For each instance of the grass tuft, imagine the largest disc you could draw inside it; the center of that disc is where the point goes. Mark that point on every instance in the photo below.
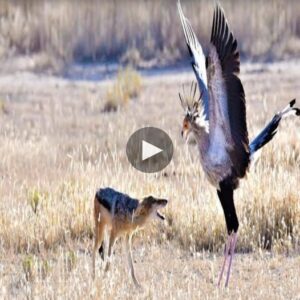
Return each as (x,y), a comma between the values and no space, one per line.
(28,267)
(70,260)
(127,86)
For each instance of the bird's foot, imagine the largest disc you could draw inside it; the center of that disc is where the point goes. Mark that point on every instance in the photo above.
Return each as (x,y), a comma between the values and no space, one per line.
(229,251)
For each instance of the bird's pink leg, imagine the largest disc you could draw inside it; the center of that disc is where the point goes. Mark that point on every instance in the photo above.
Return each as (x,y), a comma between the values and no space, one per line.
(232,247)
(227,247)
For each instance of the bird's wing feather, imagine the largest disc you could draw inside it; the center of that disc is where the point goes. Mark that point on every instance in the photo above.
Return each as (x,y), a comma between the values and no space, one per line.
(227,112)
(198,59)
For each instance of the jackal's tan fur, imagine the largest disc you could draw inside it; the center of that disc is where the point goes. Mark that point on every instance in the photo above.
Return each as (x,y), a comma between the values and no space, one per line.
(123,222)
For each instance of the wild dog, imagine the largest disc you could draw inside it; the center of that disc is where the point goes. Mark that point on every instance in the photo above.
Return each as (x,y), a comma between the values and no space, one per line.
(123,215)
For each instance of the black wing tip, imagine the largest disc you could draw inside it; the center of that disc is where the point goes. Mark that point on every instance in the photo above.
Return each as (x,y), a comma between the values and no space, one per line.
(292,103)
(219,11)
(217,6)
(296,109)
(222,38)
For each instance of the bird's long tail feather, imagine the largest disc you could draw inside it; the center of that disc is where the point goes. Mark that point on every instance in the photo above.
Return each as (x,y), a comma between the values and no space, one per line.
(270,130)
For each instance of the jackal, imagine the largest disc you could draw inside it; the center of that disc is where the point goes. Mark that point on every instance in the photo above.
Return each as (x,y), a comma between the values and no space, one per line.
(123,215)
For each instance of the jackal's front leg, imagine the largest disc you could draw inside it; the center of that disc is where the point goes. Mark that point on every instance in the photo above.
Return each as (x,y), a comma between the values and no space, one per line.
(130,262)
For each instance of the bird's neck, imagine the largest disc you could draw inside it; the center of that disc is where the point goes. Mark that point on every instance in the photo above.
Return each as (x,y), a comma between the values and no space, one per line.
(202,138)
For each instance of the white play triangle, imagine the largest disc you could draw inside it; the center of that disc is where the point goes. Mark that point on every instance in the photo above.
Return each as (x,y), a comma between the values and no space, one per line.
(149,150)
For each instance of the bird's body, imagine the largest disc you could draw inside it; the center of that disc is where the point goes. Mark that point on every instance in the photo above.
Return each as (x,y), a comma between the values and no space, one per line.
(218,118)
(215,160)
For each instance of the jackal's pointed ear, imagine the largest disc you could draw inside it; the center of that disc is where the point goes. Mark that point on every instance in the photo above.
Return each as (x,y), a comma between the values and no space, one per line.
(148,202)
(149,198)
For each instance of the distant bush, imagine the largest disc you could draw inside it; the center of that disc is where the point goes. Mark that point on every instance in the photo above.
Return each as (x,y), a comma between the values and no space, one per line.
(128,85)
(131,57)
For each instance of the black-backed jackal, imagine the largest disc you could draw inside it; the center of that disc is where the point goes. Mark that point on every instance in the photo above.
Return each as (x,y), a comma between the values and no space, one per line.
(123,215)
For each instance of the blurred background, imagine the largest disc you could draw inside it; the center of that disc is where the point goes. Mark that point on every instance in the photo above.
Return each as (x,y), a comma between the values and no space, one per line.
(144,33)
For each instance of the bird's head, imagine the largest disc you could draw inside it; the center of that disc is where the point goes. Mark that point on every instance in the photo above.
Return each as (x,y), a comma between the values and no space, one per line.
(194,120)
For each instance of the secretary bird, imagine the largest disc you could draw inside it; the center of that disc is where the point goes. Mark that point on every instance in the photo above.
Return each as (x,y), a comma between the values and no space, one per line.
(218,119)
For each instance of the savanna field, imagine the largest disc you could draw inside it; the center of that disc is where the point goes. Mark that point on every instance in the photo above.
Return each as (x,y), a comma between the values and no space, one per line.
(64,125)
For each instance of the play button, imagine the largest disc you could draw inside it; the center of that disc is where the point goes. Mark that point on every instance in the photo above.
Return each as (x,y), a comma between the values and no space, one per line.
(149,149)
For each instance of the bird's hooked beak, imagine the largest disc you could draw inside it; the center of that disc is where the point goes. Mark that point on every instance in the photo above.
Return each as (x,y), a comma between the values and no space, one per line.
(184,134)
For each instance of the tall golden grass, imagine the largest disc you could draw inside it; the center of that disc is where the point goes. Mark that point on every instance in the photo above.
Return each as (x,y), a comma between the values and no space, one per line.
(57,148)
(134,31)
(60,151)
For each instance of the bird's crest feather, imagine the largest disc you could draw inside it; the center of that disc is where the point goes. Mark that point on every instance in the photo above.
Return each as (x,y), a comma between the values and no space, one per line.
(190,101)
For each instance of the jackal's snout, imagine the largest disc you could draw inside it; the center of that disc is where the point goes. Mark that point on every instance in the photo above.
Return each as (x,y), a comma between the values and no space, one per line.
(152,204)
(162,202)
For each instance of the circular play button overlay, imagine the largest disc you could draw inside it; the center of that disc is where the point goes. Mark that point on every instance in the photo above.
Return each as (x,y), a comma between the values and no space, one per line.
(149,149)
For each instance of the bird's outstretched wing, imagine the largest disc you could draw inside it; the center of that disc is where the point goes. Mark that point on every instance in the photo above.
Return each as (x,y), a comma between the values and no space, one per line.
(227,112)
(198,59)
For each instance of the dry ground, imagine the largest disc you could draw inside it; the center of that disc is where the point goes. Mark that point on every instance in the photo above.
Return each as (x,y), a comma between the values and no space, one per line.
(57,148)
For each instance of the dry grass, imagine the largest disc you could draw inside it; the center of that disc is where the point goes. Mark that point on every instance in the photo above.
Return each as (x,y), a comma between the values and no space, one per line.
(57,149)
(58,145)
(55,33)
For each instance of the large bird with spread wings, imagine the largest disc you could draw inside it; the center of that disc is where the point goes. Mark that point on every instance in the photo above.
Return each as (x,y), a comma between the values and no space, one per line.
(218,118)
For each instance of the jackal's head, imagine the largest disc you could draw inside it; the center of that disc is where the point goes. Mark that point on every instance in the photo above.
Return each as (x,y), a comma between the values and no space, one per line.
(150,206)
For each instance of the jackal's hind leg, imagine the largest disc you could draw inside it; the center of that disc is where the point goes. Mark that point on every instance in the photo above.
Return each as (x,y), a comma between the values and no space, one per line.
(101,251)
(99,235)
(112,240)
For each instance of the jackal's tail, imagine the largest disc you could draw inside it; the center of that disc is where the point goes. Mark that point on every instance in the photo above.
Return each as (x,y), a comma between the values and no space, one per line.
(270,130)
(98,199)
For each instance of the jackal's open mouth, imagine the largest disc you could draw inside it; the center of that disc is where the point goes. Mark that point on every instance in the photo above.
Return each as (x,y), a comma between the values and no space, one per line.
(162,217)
